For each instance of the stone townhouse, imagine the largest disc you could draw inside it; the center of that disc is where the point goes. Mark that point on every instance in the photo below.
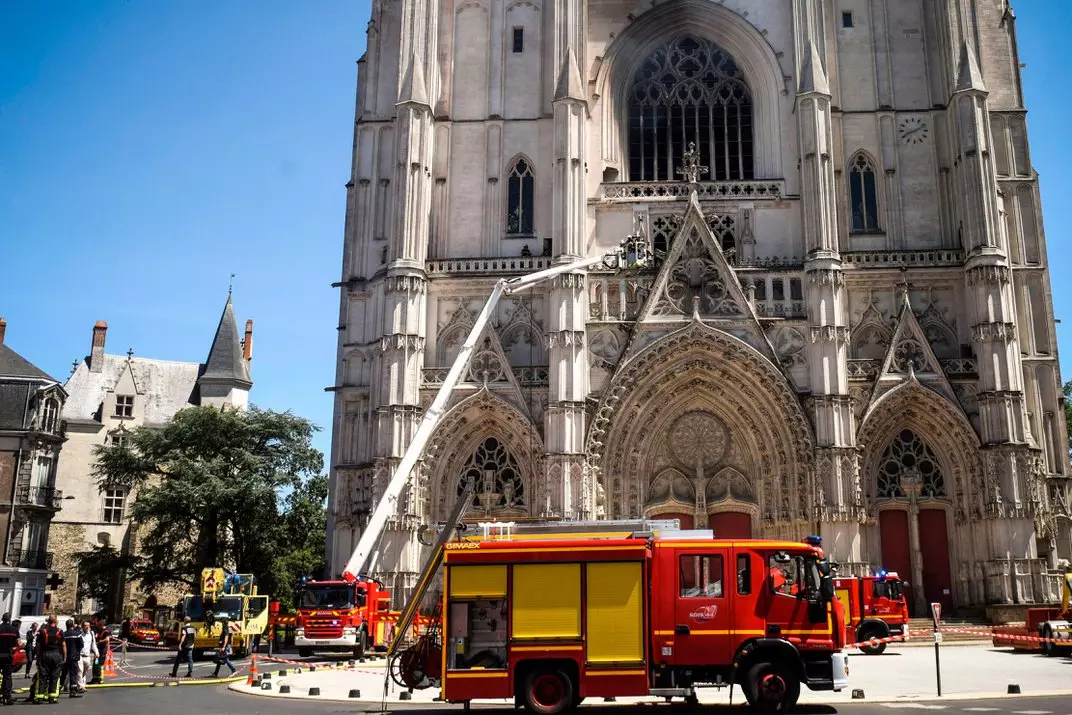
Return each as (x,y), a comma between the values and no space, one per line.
(110,395)
(32,433)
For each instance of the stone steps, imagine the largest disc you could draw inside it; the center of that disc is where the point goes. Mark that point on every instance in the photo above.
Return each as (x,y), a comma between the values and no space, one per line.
(922,627)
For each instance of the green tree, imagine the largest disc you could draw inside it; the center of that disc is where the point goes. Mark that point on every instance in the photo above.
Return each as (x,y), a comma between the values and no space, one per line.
(207,492)
(99,575)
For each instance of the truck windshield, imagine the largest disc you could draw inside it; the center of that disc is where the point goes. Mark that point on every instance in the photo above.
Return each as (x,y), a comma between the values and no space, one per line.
(193,607)
(327,597)
(229,607)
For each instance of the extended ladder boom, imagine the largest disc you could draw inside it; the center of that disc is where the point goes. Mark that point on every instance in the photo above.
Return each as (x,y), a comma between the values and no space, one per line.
(632,253)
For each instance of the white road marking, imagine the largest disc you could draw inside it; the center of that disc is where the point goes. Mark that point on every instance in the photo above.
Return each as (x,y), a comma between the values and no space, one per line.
(1032,712)
(915,706)
(980,710)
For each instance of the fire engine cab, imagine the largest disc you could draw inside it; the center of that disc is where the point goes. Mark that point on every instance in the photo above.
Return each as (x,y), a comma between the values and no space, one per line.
(549,618)
(337,616)
(875,607)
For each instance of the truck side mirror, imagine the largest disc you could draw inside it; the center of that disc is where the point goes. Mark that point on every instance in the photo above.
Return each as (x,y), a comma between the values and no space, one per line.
(826,588)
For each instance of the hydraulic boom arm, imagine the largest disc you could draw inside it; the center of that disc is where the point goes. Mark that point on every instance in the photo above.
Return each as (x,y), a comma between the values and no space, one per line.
(632,253)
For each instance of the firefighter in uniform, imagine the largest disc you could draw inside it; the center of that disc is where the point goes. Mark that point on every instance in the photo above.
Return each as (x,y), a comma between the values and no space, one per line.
(9,641)
(72,639)
(51,652)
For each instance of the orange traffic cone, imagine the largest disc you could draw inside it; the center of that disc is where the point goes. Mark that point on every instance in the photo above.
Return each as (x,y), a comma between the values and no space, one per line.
(252,670)
(109,665)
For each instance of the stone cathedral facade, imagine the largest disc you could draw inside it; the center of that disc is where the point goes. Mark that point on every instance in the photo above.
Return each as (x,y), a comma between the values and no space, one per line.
(848,330)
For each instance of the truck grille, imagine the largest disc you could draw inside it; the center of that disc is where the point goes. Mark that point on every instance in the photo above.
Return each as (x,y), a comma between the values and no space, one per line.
(320,628)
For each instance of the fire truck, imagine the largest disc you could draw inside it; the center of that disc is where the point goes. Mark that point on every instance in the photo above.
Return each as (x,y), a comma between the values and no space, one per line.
(875,607)
(342,616)
(618,609)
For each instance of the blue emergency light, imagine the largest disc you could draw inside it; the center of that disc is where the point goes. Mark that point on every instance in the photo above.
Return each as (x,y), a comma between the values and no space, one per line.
(815,541)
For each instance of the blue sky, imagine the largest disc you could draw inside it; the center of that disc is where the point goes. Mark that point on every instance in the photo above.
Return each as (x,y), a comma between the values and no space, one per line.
(148,150)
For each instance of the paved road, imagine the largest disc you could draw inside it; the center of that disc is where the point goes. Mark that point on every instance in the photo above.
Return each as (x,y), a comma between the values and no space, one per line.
(215,699)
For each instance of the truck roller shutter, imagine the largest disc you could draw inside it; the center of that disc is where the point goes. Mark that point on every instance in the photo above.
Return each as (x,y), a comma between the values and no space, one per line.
(547,601)
(615,625)
(477,581)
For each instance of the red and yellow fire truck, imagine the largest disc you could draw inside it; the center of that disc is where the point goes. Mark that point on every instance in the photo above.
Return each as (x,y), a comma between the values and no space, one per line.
(336,616)
(875,607)
(555,618)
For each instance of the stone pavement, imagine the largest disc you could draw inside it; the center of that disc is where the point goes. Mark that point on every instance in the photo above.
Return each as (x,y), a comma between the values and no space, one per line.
(902,673)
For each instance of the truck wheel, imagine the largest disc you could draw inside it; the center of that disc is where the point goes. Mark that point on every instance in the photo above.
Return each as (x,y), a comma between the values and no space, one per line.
(362,644)
(868,634)
(305,652)
(1047,646)
(772,688)
(548,692)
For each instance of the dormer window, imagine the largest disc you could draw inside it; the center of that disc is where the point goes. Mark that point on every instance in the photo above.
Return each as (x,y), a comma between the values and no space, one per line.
(50,415)
(124,405)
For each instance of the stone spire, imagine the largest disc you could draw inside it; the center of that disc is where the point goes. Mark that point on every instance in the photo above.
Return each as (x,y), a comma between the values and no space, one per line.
(569,84)
(812,77)
(414,89)
(969,76)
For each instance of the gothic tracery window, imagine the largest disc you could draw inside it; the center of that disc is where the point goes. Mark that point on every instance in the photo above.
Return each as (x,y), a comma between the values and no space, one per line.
(497,479)
(863,193)
(909,462)
(520,197)
(690,90)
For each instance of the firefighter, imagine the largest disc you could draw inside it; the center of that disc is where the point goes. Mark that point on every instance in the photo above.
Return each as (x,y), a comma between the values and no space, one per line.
(72,640)
(51,652)
(9,641)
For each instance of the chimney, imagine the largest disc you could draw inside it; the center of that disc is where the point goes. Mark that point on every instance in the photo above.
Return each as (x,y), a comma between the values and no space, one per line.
(3,330)
(96,354)
(247,342)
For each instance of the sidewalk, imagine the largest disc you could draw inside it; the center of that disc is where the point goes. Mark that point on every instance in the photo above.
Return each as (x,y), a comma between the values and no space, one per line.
(901,673)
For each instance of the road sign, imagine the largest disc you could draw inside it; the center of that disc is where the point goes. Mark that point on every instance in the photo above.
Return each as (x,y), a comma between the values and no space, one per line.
(936,611)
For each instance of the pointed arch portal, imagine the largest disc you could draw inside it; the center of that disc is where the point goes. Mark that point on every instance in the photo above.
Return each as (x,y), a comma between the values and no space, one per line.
(701,427)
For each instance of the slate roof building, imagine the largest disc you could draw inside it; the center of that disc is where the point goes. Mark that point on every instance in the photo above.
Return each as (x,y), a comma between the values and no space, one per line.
(110,395)
(31,437)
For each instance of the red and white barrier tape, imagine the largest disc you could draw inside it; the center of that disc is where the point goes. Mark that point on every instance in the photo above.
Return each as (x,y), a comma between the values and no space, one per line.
(172,678)
(322,666)
(877,641)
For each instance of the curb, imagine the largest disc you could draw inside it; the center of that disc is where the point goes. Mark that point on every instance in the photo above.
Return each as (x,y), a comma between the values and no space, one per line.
(824,701)
(168,682)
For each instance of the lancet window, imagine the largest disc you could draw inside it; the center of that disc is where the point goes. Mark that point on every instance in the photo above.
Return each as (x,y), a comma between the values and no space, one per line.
(520,188)
(690,90)
(908,464)
(863,193)
(494,472)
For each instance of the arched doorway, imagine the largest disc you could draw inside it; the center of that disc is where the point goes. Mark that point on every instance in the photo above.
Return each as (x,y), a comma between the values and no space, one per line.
(910,493)
(672,496)
(703,406)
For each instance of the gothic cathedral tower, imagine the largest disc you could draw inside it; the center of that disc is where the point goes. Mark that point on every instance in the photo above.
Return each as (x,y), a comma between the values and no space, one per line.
(848,329)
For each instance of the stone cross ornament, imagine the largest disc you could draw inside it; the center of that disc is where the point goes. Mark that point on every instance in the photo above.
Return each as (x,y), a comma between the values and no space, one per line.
(692,168)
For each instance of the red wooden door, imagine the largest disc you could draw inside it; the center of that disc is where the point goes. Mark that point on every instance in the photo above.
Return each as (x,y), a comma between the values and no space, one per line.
(685,520)
(934,543)
(730,524)
(893,530)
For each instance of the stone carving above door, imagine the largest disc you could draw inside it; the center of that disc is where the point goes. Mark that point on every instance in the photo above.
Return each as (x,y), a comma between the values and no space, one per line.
(698,440)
